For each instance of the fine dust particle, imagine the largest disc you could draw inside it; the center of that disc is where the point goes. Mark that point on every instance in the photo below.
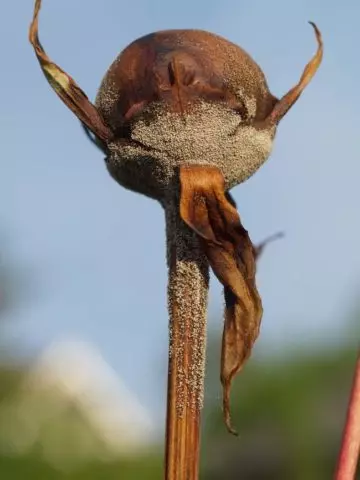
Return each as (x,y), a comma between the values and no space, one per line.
(204,136)
(187,301)
(249,102)
(107,96)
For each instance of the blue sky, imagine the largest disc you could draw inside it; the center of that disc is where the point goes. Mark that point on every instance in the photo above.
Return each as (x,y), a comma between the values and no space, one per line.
(67,222)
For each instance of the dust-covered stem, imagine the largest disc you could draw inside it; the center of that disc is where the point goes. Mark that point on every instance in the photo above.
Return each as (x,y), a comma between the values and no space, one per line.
(187,303)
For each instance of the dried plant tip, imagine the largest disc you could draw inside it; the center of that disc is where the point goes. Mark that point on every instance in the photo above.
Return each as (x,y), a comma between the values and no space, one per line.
(206,209)
(259,249)
(288,100)
(66,88)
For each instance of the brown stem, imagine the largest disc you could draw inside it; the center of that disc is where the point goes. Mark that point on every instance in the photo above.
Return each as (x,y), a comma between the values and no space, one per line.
(187,302)
(349,453)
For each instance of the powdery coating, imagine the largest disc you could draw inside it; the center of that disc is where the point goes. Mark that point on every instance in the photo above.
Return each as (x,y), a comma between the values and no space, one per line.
(210,134)
(187,302)
(107,95)
(249,102)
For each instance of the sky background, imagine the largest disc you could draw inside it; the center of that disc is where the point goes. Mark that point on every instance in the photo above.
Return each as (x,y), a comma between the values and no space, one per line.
(92,272)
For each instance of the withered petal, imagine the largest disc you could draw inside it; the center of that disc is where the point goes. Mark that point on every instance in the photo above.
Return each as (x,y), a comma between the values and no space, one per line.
(206,209)
(66,88)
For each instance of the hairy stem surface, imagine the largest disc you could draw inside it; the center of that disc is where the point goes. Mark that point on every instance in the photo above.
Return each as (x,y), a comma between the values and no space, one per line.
(187,303)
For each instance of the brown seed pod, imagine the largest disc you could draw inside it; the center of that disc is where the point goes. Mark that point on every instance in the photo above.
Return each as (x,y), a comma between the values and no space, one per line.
(189,97)
(183,116)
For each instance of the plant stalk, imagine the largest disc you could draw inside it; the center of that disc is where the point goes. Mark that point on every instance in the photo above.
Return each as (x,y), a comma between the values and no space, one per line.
(187,303)
(350,447)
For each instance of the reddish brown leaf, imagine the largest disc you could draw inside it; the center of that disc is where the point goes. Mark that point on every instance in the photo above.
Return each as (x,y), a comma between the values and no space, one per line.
(205,208)
(288,100)
(66,88)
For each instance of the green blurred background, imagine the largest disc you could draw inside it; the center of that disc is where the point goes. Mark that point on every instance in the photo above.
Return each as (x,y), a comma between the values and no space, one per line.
(289,409)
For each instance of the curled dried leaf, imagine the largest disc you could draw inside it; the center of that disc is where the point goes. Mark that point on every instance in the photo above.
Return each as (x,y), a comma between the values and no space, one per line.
(288,100)
(205,208)
(66,88)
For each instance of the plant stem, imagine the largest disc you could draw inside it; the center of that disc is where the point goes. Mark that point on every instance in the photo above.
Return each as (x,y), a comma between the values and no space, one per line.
(187,303)
(350,447)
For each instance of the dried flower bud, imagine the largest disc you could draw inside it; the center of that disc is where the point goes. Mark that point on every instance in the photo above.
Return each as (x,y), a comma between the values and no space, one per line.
(188,108)
(189,97)
(178,97)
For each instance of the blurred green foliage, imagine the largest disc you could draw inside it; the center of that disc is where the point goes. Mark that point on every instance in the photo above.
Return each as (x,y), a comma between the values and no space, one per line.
(289,414)
(31,468)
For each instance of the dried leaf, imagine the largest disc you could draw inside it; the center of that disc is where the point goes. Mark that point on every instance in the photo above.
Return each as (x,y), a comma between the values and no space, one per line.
(66,88)
(205,208)
(288,100)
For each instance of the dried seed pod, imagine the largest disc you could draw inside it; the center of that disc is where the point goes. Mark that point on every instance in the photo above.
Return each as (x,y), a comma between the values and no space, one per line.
(183,116)
(178,97)
(189,97)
